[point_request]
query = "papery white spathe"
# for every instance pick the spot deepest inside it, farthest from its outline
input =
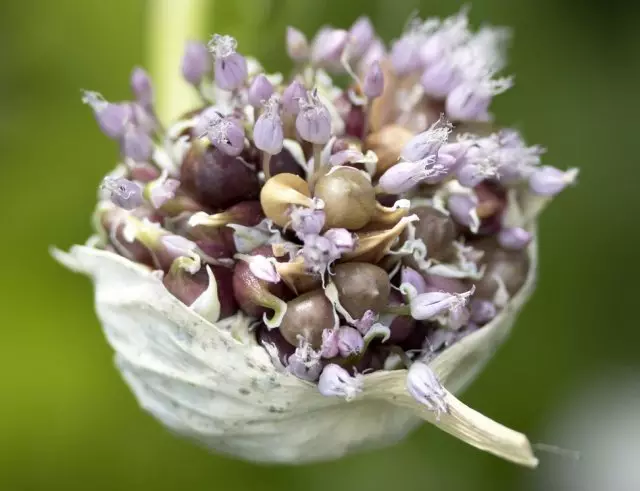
(198, 379)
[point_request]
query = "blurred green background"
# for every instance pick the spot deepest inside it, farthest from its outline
(68, 422)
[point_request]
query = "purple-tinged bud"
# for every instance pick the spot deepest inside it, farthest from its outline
(328, 45)
(463, 209)
(230, 67)
(428, 306)
(196, 62)
(375, 53)
(161, 192)
(439, 79)
(142, 87)
(329, 343)
(415, 279)
(260, 91)
(468, 103)
(428, 142)
(348, 156)
(458, 317)
(406, 175)
(319, 253)
(292, 96)
(341, 238)
(514, 239)
(297, 45)
(365, 322)
(263, 268)
(305, 362)
(136, 144)
(123, 193)
(350, 341)
(112, 118)
(482, 311)
(306, 221)
(314, 121)
(335, 381)
(373, 84)
(470, 175)
(549, 181)
(361, 36)
(405, 54)
(175, 246)
(268, 133)
(424, 387)
(226, 135)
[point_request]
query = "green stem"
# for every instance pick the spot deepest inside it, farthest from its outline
(266, 168)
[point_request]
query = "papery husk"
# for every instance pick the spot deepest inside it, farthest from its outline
(215, 384)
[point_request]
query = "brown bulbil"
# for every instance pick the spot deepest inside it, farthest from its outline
(217, 180)
(511, 266)
(307, 316)
(362, 287)
(348, 196)
(437, 231)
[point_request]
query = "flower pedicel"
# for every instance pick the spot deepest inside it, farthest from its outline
(296, 270)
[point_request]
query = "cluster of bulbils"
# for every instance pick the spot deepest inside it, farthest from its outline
(361, 228)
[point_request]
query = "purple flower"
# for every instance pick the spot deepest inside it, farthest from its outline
(463, 209)
(196, 62)
(403, 176)
(515, 238)
(428, 142)
(365, 322)
(305, 363)
(413, 278)
(350, 341)
(292, 96)
(307, 221)
(329, 343)
(432, 305)
(297, 45)
(112, 118)
(439, 79)
(328, 45)
(136, 144)
(260, 91)
(314, 121)
(318, 253)
(268, 133)
(230, 67)
(361, 36)
(482, 311)
(142, 87)
(424, 387)
(161, 192)
(341, 238)
(468, 103)
(177, 246)
(226, 135)
(405, 54)
(373, 84)
(335, 381)
(549, 181)
(123, 193)
(262, 267)
(375, 53)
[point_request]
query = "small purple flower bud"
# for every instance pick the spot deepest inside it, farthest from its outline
(403, 176)
(230, 67)
(424, 387)
(361, 36)
(462, 208)
(123, 193)
(375, 53)
(204, 120)
(468, 103)
(142, 87)
(329, 343)
(482, 311)
(268, 133)
(161, 192)
(136, 144)
(350, 341)
(177, 246)
(196, 62)
(549, 181)
(472, 174)
(263, 268)
(439, 79)
(335, 381)
(307, 221)
(318, 253)
(297, 45)
(428, 142)
(348, 156)
(405, 54)
(341, 239)
(514, 239)
(458, 317)
(260, 91)
(328, 45)
(292, 96)
(435, 304)
(226, 135)
(415, 279)
(373, 84)
(112, 118)
(314, 121)
(365, 322)
(305, 363)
